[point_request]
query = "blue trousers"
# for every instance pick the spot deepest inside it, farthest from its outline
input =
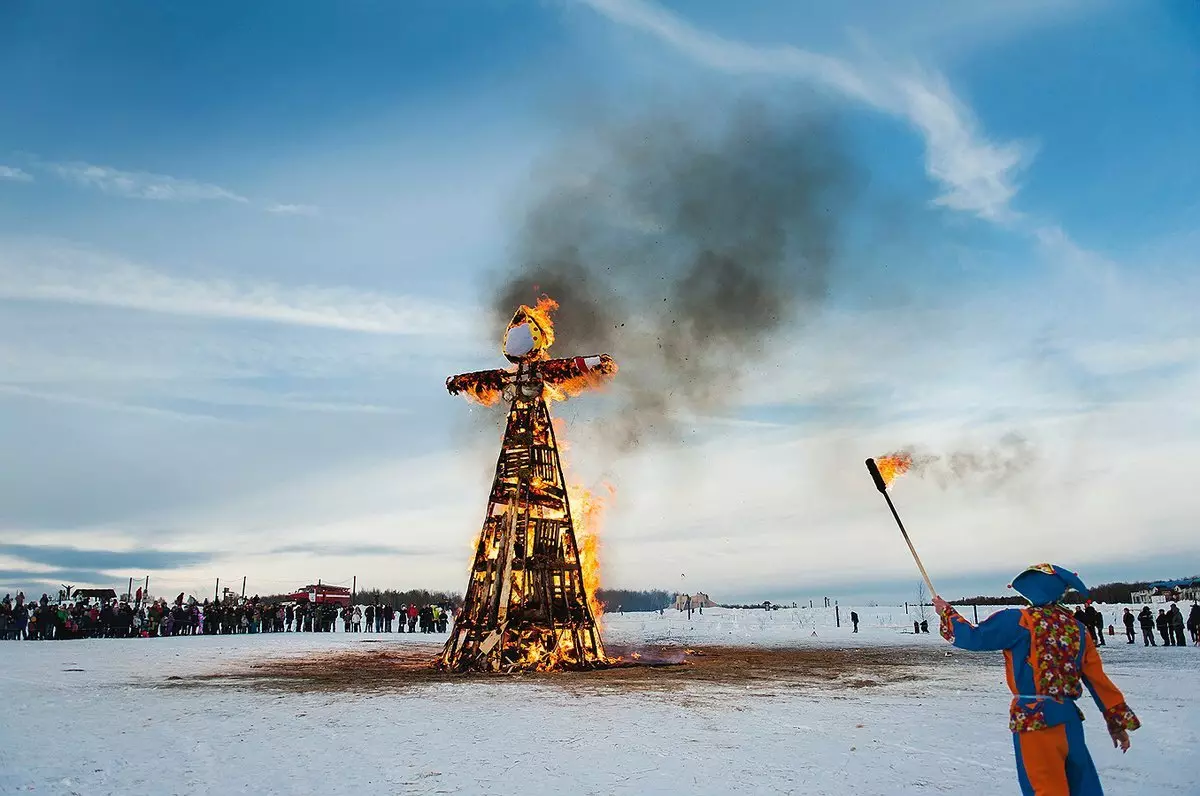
(1056, 762)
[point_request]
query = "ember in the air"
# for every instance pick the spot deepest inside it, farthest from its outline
(530, 603)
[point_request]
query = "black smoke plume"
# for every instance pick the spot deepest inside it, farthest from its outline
(685, 248)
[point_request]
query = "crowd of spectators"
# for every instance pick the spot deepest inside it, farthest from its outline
(111, 618)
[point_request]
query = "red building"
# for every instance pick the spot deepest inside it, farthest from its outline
(319, 593)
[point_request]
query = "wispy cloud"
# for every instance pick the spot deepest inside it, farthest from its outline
(76, 276)
(49, 580)
(976, 175)
(292, 209)
(142, 185)
(74, 557)
(15, 174)
(354, 549)
(152, 187)
(107, 405)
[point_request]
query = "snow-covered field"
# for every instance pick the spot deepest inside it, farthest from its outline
(101, 717)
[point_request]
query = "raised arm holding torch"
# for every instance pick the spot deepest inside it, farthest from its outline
(1050, 661)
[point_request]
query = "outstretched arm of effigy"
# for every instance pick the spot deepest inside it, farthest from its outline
(483, 386)
(577, 373)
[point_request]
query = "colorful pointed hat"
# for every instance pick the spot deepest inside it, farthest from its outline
(1043, 584)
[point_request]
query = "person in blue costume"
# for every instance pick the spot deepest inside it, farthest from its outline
(1049, 658)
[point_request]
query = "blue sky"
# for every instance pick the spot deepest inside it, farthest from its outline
(240, 250)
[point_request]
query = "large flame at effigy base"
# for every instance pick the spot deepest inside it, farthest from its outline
(530, 601)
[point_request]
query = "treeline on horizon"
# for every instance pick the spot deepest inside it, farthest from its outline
(392, 597)
(634, 600)
(1110, 593)
(613, 599)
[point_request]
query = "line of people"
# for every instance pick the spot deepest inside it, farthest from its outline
(426, 618)
(45, 620)
(1169, 623)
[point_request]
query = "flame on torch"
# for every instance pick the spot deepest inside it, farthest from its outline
(893, 465)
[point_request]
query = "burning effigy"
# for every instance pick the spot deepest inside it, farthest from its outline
(529, 603)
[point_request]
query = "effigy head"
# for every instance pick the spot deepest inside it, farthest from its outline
(527, 335)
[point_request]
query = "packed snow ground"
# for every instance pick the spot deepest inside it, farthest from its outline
(101, 717)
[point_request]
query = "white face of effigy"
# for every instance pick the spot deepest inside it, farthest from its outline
(518, 341)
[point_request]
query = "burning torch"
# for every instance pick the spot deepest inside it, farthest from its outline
(896, 465)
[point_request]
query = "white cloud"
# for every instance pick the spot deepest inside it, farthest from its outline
(142, 185)
(15, 174)
(292, 210)
(96, 403)
(77, 276)
(975, 174)
(154, 187)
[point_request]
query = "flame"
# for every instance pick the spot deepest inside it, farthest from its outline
(893, 465)
(541, 315)
(591, 380)
(588, 512)
(484, 396)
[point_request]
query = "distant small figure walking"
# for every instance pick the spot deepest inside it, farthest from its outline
(1127, 618)
(854, 620)
(1193, 623)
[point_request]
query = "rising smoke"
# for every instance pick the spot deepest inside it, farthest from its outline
(686, 249)
(988, 466)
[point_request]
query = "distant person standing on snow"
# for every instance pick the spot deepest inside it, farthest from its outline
(1127, 618)
(1047, 726)
(1175, 616)
(1094, 622)
(1193, 622)
(1146, 620)
(854, 620)
(1164, 627)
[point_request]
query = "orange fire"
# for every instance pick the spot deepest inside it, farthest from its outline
(553, 647)
(894, 465)
(541, 314)
(587, 515)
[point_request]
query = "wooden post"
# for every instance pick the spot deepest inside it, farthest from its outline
(129, 594)
(837, 615)
(243, 587)
(975, 608)
(217, 591)
(353, 589)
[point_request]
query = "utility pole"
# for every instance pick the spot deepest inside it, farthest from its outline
(217, 591)
(353, 589)
(243, 587)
